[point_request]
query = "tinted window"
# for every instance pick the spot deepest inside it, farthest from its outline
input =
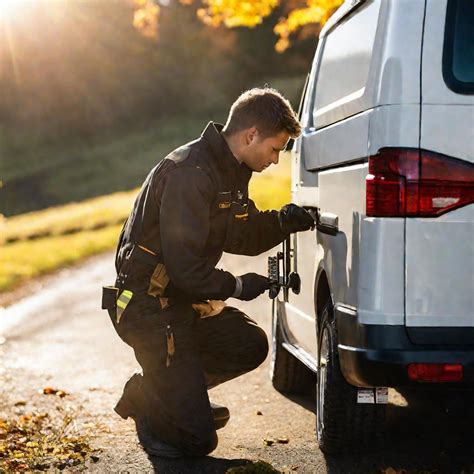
(458, 61)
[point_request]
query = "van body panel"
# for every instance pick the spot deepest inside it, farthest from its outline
(342, 192)
(448, 129)
(440, 251)
(302, 329)
(299, 309)
(440, 270)
(325, 148)
(394, 126)
(398, 71)
(381, 271)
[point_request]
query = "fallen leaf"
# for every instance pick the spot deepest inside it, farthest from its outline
(268, 441)
(54, 391)
(49, 391)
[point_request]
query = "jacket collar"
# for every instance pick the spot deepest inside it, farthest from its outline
(220, 149)
(227, 161)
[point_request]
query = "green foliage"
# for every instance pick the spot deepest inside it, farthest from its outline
(74, 171)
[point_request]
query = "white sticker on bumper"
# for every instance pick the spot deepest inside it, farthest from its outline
(381, 395)
(365, 395)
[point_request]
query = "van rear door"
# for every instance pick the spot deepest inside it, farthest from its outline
(439, 299)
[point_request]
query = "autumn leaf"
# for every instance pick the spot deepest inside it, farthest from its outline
(36, 441)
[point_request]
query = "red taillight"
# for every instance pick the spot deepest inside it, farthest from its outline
(435, 372)
(405, 182)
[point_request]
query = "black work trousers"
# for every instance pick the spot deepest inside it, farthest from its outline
(207, 352)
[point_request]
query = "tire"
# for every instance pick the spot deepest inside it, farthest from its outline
(288, 374)
(342, 425)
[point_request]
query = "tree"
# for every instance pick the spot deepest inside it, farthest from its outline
(298, 15)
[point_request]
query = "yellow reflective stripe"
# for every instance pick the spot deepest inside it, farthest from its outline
(122, 303)
(124, 298)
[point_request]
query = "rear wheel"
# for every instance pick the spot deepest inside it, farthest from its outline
(288, 374)
(342, 424)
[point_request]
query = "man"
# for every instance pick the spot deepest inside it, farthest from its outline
(168, 299)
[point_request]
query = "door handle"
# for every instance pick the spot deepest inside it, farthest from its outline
(326, 222)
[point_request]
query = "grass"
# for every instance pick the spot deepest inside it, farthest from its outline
(91, 214)
(22, 261)
(43, 241)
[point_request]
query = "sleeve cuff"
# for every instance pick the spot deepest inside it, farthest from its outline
(238, 288)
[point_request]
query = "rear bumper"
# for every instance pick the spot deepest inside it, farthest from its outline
(378, 355)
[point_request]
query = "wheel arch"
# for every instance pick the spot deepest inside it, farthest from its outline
(322, 291)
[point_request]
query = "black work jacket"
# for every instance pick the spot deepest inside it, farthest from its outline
(192, 207)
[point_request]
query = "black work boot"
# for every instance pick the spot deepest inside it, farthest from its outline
(151, 444)
(132, 404)
(220, 414)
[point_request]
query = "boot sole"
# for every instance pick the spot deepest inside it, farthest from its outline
(220, 422)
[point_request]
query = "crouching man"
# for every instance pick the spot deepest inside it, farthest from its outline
(168, 299)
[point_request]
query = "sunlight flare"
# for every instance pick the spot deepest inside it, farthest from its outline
(8, 7)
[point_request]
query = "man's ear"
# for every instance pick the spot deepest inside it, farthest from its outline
(251, 135)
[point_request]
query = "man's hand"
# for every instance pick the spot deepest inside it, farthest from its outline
(294, 218)
(250, 285)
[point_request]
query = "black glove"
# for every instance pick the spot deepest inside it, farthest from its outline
(250, 285)
(294, 218)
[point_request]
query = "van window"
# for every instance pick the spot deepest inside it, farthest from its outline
(458, 55)
(346, 59)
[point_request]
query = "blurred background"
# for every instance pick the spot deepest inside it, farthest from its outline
(93, 93)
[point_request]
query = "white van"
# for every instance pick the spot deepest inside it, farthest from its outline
(387, 155)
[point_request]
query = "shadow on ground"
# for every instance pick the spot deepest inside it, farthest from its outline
(207, 465)
(433, 433)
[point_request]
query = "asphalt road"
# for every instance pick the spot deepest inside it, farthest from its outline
(58, 336)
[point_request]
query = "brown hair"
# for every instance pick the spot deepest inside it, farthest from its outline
(265, 109)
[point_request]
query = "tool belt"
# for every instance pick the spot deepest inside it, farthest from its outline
(116, 298)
